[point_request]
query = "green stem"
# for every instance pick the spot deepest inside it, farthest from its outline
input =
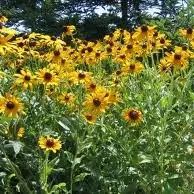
(18, 175)
(45, 175)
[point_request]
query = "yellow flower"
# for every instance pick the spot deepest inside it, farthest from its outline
(90, 118)
(132, 115)
(3, 19)
(97, 101)
(68, 30)
(143, 32)
(66, 98)
(47, 77)
(25, 78)
(164, 66)
(80, 77)
(10, 105)
(49, 143)
(187, 33)
(178, 60)
(21, 131)
(132, 67)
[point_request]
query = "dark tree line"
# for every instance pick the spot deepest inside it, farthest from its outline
(49, 16)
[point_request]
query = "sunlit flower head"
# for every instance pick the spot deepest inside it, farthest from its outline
(10, 105)
(25, 78)
(69, 30)
(49, 143)
(133, 115)
(21, 132)
(47, 77)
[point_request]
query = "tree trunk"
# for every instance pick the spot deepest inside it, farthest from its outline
(124, 12)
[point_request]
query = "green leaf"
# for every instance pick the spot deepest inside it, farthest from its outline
(145, 159)
(17, 145)
(59, 187)
(81, 177)
(64, 126)
(69, 156)
(77, 161)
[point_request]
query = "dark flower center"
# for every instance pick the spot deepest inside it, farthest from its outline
(56, 53)
(32, 43)
(109, 50)
(53, 38)
(81, 75)
(189, 30)
(155, 34)
(177, 56)
(118, 72)
(66, 98)
(97, 54)
(144, 46)
(184, 47)
(96, 102)
(10, 105)
(116, 82)
(47, 76)
(144, 28)
(27, 78)
(50, 143)
(25, 36)
(106, 95)
(92, 86)
(65, 29)
(129, 46)
(89, 117)
(90, 49)
(83, 50)
(162, 40)
(122, 56)
(111, 43)
(20, 44)
(132, 66)
(133, 115)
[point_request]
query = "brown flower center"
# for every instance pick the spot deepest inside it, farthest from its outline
(90, 49)
(66, 98)
(20, 44)
(129, 46)
(122, 56)
(109, 50)
(89, 117)
(153, 44)
(93, 86)
(177, 56)
(189, 30)
(47, 76)
(132, 66)
(144, 28)
(50, 143)
(184, 48)
(155, 34)
(81, 75)
(162, 40)
(53, 38)
(10, 105)
(144, 46)
(56, 53)
(134, 115)
(32, 43)
(27, 78)
(96, 102)
(97, 54)
(65, 29)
